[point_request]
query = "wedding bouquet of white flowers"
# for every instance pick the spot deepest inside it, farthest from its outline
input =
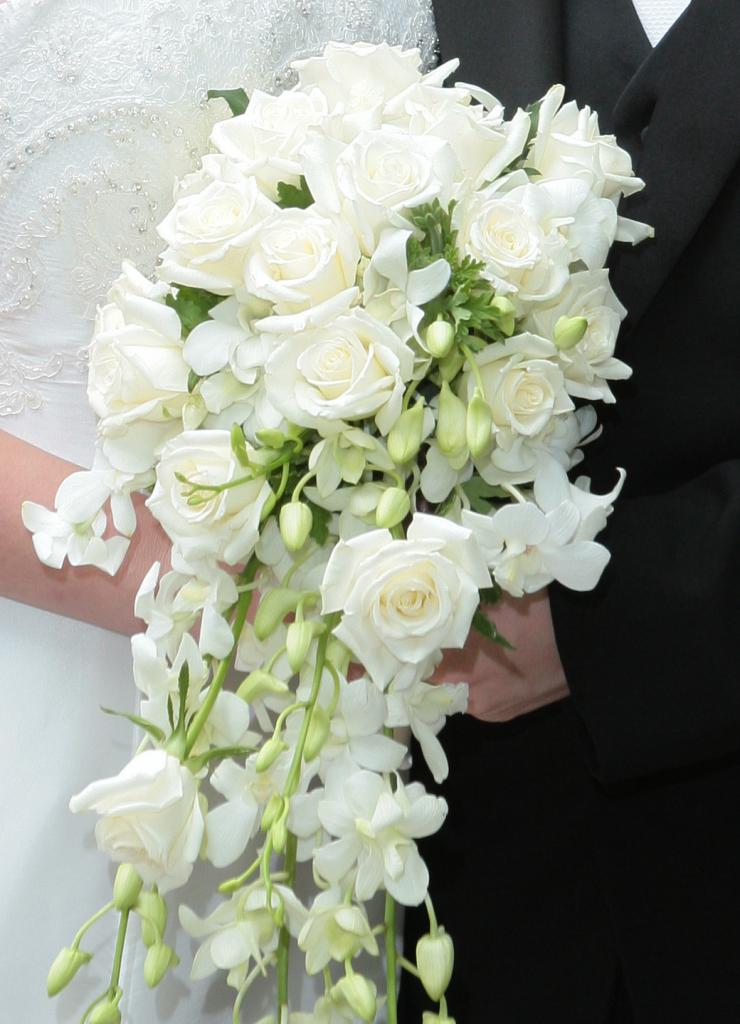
(353, 395)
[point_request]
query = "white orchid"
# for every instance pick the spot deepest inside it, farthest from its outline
(530, 543)
(425, 709)
(335, 929)
(375, 829)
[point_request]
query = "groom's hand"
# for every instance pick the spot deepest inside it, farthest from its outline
(507, 683)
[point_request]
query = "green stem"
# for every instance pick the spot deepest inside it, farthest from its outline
(115, 973)
(232, 884)
(408, 966)
(283, 951)
(475, 369)
(240, 617)
(390, 958)
(89, 923)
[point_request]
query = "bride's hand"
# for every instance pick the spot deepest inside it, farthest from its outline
(507, 683)
(81, 593)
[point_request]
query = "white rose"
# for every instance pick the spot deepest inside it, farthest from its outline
(402, 600)
(568, 145)
(516, 458)
(515, 235)
(208, 230)
(267, 138)
(301, 260)
(138, 379)
(484, 143)
(385, 172)
(590, 364)
(150, 817)
(225, 526)
(522, 383)
(358, 79)
(351, 369)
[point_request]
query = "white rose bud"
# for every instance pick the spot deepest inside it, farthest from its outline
(569, 330)
(404, 439)
(393, 507)
(359, 994)
(66, 964)
(435, 957)
(439, 338)
(296, 521)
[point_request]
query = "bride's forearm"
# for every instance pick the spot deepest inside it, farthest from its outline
(81, 593)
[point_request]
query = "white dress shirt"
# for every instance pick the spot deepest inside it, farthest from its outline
(657, 16)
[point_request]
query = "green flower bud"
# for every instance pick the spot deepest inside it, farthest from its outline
(261, 684)
(404, 440)
(505, 314)
(451, 433)
(351, 460)
(126, 888)
(296, 520)
(393, 507)
(439, 338)
(106, 1013)
(338, 654)
(66, 964)
(273, 608)
(194, 411)
(450, 366)
(569, 330)
(436, 1018)
(239, 445)
(152, 910)
(478, 425)
(298, 642)
(159, 959)
(318, 731)
(276, 808)
(435, 956)
(359, 994)
(269, 753)
(279, 835)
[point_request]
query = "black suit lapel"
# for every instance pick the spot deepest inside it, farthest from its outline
(686, 94)
(511, 47)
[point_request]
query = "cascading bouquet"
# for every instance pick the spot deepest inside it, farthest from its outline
(351, 395)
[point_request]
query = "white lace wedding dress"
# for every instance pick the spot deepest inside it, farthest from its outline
(102, 102)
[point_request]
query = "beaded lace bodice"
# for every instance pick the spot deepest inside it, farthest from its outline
(102, 104)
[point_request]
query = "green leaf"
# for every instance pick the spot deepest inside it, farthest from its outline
(154, 731)
(320, 525)
(297, 196)
(482, 495)
(195, 764)
(487, 629)
(236, 98)
(490, 595)
(183, 685)
(192, 305)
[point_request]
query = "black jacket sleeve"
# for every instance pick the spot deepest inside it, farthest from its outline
(652, 655)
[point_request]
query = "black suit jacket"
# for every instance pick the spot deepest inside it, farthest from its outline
(602, 834)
